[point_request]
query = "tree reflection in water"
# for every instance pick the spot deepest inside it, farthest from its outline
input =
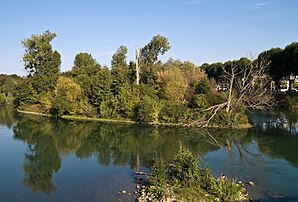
(119, 144)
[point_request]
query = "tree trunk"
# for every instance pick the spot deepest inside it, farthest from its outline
(137, 66)
(230, 91)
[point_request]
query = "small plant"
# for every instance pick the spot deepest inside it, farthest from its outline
(158, 178)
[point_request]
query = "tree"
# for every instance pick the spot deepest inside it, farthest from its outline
(94, 80)
(127, 100)
(68, 98)
(149, 64)
(213, 70)
(159, 45)
(248, 87)
(172, 84)
(119, 58)
(249, 84)
(24, 93)
(41, 61)
(119, 70)
(290, 61)
(276, 69)
(149, 110)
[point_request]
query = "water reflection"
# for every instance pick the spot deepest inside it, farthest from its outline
(275, 122)
(278, 146)
(48, 141)
(7, 116)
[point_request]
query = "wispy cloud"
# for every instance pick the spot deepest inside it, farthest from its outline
(258, 5)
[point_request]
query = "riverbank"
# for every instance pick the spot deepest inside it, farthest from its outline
(84, 118)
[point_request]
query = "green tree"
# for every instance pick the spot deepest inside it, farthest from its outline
(68, 98)
(24, 93)
(119, 58)
(42, 62)
(120, 73)
(172, 84)
(94, 80)
(84, 62)
(127, 100)
(159, 45)
(290, 61)
(213, 70)
(149, 110)
(276, 70)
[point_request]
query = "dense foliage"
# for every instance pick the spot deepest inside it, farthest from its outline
(170, 92)
(7, 86)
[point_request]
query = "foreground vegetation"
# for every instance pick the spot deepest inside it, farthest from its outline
(145, 90)
(184, 180)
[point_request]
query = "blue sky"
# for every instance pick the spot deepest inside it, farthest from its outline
(198, 30)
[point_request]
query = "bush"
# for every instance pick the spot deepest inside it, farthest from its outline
(24, 93)
(174, 113)
(158, 178)
(203, 86)
(148, 110)
(292, 103)
(229, 119)
(2, 99)
(199, 101)
(186, 181)
(185, 170)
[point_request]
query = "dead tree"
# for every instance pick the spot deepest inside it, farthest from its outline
(247, 86)
(137, 66)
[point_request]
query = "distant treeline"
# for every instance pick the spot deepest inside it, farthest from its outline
(282, 64)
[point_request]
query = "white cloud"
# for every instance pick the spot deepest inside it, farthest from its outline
(258, 5)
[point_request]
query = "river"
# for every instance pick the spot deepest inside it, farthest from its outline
(48, 159)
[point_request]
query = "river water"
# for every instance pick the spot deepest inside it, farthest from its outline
(46, 159)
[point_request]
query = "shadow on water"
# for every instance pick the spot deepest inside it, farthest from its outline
(49, 140)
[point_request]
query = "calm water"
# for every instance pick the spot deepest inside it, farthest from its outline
(44, 159)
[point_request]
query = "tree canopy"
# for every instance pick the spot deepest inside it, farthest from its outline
(42, 62)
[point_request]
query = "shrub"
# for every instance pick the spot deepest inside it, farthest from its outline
(199, 101)
(2, 99)
(292, 103)
(186, 181)
(174, 113)
(148, 110)
(158, 178)
(203, 86)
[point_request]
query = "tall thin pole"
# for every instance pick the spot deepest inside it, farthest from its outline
(137, 66)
